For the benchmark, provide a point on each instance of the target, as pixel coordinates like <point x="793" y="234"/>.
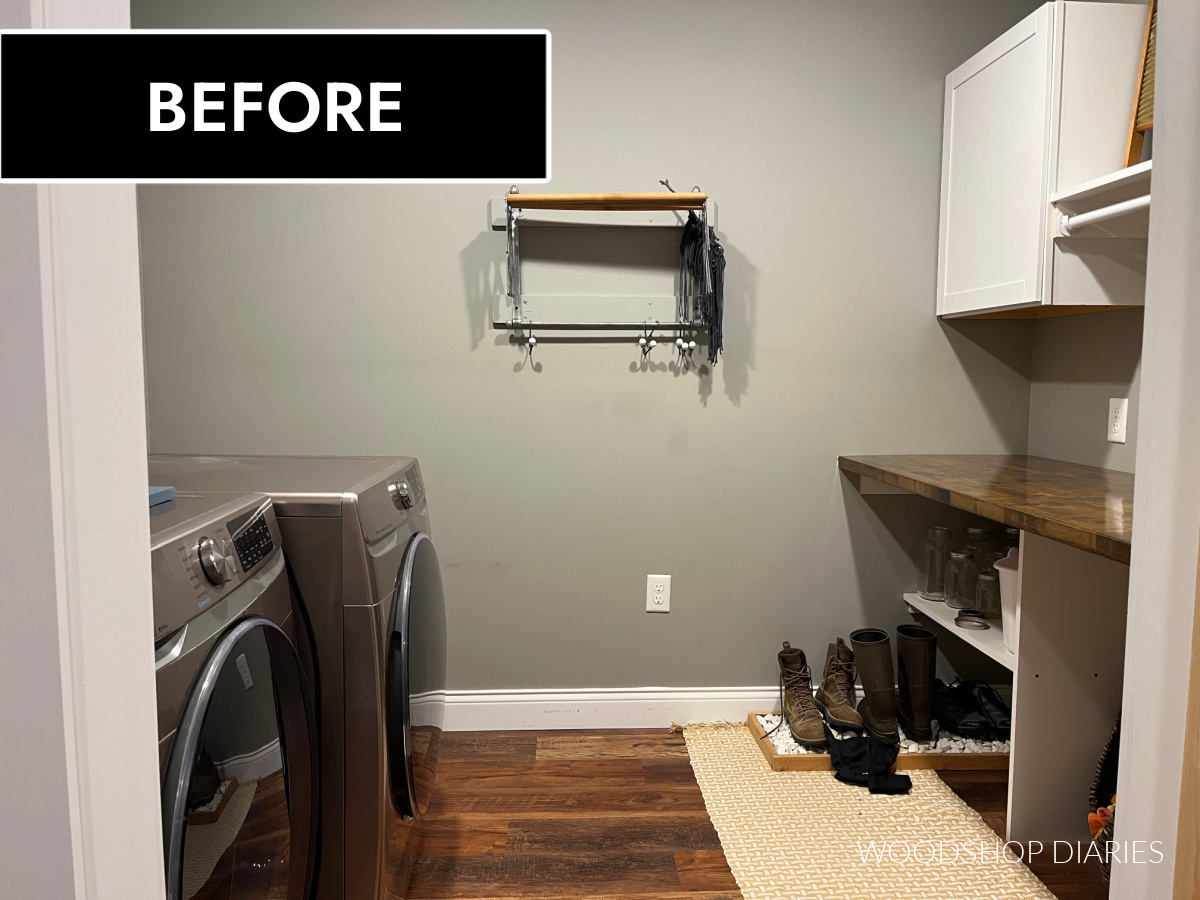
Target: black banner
<point x="261" y="106"/>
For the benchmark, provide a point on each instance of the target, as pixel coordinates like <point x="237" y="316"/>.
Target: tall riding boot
<point x="916" y="653"/>
<point x="873" y="655"/>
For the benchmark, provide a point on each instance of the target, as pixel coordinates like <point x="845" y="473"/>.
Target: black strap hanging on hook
<point x="702" y="277"/>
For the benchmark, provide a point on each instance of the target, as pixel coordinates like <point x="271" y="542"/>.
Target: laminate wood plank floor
<point x="556" y="814"/>
<point x="987" y="794"/>
<point x="605" y="815"/>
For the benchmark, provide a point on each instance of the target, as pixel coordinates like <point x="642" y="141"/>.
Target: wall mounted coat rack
<point x="514" y="207"/>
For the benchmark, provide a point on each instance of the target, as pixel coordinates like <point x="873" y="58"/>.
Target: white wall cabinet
<point x="1040" y="110"/>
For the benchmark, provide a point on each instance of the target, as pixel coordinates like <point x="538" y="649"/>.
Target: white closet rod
<point x="1067" y="225"/>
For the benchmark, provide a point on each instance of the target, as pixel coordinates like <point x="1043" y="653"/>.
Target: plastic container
<point x="1010" y="596"/>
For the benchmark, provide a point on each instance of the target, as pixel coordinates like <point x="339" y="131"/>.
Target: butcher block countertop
<point x="1081" y="506"/>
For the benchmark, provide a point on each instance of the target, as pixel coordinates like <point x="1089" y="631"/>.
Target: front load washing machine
<point x="356" y="532"/>
<point x="236" y="718"/>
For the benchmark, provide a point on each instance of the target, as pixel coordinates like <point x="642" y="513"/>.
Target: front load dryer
<point x="356" y="532"/>
<point x="236" y="718"/>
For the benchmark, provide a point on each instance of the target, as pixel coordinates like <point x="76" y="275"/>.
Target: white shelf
<point x="1113" y="188"/>
<point x="990" y="642"/>
<point x="566" y="218"/>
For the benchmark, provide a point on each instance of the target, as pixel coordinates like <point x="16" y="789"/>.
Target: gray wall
<point x="334" y="319"/>
<point x="1079" y="362"/>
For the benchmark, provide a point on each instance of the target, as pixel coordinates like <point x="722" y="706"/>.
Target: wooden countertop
<point x="1082" y="506"/>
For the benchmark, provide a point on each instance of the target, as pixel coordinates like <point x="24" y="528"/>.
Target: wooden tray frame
<point x="196" y="817"/>
<point x="819" y="762"/>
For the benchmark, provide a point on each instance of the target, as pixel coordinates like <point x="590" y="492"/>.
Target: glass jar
<point x="979" y="545"/>
<point x="989" y="561"/>
<point x="987" y="595"/>
<point x="931" y="563"/>
<point x="962" y="580"/>
<point x="1012" y="537"/>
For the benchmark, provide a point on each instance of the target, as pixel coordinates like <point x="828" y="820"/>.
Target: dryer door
<point x="416" y="677"/>
<point x="240" y="790"/>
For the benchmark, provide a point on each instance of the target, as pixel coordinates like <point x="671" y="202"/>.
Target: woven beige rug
<point x="204" y="845"/>
<point x="807" y="836"/>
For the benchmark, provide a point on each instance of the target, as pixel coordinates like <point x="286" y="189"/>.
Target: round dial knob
<point x="401" y="495"/>
<point x="216" y="560"/>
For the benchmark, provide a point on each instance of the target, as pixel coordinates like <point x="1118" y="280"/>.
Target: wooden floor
<point x="987" y="794"/>
<point x="568" y="814"/>
<point x="605" y="814"/>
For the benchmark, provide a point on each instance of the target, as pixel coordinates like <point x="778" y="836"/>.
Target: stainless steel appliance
<point x="236" y="718"/>
<point x="356" y="532"/>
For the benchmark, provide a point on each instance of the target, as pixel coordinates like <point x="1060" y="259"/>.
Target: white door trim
<point x="1166" y="506"/>
<point x="81" y="815"/>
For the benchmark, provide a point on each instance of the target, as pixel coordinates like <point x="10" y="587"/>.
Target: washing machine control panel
<point x="215" y="560"/>
<point x="199" y="560"/>
<point x="417" y="487"/>
<point x="252" y="538"/>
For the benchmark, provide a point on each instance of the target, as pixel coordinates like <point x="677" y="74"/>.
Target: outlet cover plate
<point x="1118" y="415"/>
<point x="658" y="593"/>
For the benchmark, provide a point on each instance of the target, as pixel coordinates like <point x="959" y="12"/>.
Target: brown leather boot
<point x="835" y="694"/>
<point x="799" y="708"/>
<point x="916" y="654"/>
<point x="873" y="654"/>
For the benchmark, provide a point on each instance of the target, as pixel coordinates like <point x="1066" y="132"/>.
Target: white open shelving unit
<point x="989" y="642"/>
<point x="1073" y="572"/>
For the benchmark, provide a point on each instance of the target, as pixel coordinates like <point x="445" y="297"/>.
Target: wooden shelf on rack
<point x="989" y="642"/>
<point x="661" y="200"/>
<point x="1081" y="506"/>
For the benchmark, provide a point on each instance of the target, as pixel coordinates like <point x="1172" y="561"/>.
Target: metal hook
<point x="685" y="350"/>
<point x="647" y="342"/>
<point x="666" y="182"/>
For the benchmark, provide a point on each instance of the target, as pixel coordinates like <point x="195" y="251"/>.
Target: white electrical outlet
<point x="658" y="593"/>
<point x="243" y="668"/>
<point x="1118" y="412"/>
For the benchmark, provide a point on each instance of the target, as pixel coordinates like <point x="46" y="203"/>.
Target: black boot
<point x="873" y="654"/>
<point x="916" y="654"/>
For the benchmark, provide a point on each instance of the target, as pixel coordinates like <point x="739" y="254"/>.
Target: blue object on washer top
<point x="161" y="495"/>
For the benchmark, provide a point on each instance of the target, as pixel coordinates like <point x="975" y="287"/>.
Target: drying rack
<point x="658" y="201"/>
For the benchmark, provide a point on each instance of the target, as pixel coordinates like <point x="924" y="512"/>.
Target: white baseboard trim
<point x="651" y="707"/>
<point x="254" y="765"/>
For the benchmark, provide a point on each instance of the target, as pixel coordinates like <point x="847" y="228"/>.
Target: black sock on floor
<point x="866" y="761"/>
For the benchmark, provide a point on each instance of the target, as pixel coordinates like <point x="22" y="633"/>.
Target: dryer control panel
<point x="387" y="503"/>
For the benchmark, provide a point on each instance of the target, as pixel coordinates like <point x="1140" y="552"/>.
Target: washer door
<point x="416" y="677"/>
<point x="240" y="790"/>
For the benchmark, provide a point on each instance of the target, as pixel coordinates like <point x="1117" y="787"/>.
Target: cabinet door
<point x="994" y="165"/>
